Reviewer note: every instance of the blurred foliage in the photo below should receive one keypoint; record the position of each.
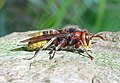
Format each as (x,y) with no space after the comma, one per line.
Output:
(24,15)
(2,2)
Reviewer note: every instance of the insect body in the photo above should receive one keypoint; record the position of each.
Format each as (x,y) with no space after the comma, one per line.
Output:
(68,37)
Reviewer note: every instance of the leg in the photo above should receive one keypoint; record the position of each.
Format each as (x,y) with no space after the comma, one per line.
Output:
(80,53)
(53,51)
(89,56)
(44,47)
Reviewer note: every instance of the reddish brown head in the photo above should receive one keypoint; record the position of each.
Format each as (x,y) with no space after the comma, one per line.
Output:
(85,38)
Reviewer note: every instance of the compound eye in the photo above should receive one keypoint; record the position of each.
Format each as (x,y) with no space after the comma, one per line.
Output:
(89,43)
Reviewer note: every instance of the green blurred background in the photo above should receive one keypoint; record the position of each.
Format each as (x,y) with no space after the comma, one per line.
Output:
(25,15)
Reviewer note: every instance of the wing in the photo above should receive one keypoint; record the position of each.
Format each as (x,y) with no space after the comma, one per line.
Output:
(45,37)
(33,34)
(45,32)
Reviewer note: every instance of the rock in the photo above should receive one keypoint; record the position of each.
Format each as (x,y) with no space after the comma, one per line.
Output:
(65,67)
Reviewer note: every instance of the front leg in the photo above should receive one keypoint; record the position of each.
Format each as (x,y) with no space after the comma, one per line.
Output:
(89,56)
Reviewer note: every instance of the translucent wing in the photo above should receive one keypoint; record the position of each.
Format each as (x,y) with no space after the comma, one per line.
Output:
(44,37)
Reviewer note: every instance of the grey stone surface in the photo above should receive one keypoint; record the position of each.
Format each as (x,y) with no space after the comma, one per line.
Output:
(65,67)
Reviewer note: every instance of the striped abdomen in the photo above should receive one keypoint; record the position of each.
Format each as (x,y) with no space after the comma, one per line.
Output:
(39,44)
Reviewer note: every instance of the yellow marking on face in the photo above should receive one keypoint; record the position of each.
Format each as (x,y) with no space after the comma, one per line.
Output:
(87,47)
(89,43)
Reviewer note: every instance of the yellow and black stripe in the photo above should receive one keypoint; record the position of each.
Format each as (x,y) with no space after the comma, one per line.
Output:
(37,45)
